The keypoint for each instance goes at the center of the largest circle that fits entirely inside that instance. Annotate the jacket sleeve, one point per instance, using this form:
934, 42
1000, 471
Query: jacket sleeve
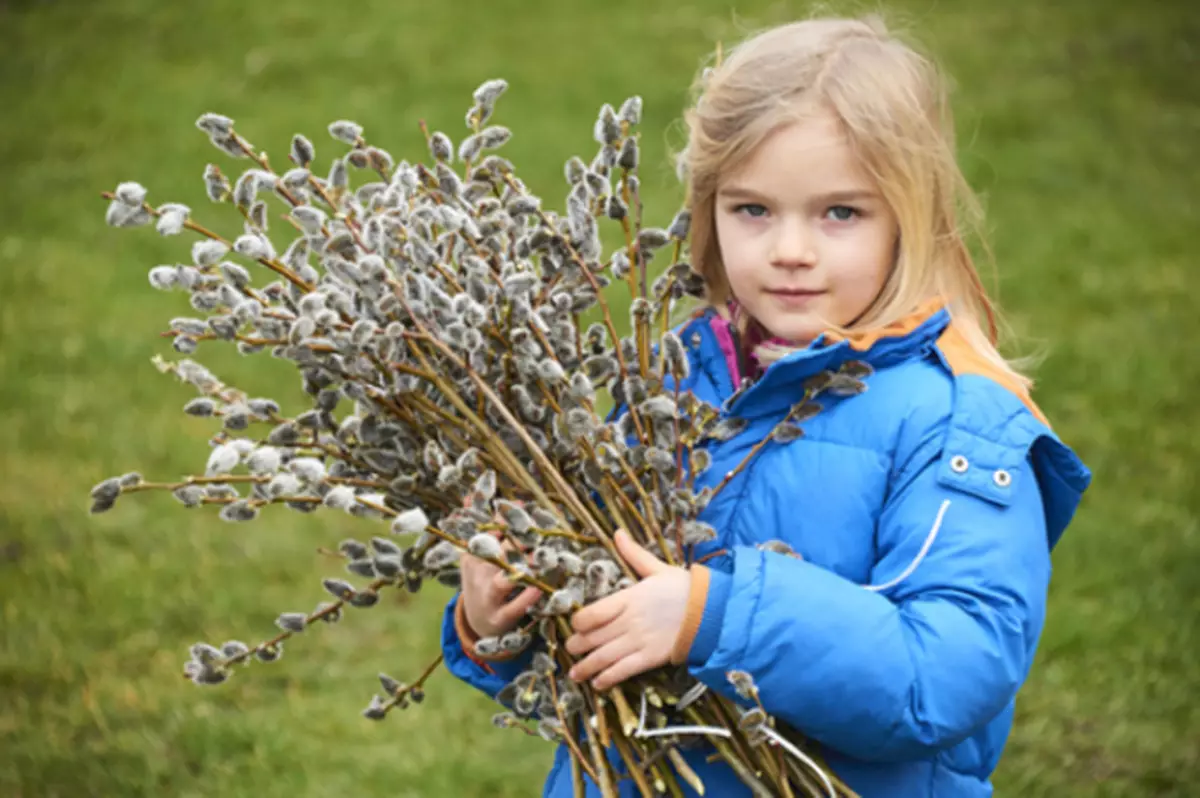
458, 649
905, 671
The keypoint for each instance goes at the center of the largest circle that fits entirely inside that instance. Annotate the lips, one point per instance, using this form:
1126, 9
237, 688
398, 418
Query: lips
794, 291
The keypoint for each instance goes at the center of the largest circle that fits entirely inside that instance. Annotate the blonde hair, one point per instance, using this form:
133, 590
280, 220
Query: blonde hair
891, 104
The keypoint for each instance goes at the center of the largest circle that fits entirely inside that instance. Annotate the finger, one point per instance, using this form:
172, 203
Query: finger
625, 668
641, 560
511, 612
600, 613
602, 658
580, 644
500, 582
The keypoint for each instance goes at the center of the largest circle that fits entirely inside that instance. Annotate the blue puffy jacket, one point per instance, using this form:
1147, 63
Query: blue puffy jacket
925, 510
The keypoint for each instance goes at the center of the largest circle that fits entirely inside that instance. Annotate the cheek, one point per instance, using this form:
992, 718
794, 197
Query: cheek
736, 248
868, 257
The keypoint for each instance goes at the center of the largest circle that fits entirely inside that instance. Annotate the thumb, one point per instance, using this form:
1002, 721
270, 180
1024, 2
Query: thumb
642, 561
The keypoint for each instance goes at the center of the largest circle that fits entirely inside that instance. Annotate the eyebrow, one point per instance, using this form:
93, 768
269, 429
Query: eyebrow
851, 195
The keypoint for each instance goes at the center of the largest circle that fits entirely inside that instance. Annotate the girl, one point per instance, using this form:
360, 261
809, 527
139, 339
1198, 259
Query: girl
826, 201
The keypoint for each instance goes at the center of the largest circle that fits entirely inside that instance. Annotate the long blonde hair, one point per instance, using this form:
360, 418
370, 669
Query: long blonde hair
891, 104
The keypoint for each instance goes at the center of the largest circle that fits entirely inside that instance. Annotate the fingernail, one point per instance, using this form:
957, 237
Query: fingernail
571, 675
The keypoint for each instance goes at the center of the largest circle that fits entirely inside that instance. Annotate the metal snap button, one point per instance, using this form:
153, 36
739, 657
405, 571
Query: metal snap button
1002, 478
959, 464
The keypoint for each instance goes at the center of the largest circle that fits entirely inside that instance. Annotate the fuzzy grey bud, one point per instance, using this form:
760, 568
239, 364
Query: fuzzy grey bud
494, 137
697, 532
215, 124
550, 371
294, 622
469, 148
680, 225
253, 246
607, 130
284, 434
385, 547
221, 460
560, 602
308, 469
787, 432
631, 110
237, 275
309, 218
410, 522
234, 648
388, 567
652, 238
628, 157
440, 147
171, 219
660, 407
574, 169
283, 485
346, 131
208, 252
616, 209
164, 278
131, 194
216, 185
339, 177
743, 683
269, 653
302, 151
523, 205
364, 567
264, 460
339, 588
440, 556
485, 547
515, 641
727, 428
490, 91
105, 494
189, 495
353, 549
675, 356
238, 511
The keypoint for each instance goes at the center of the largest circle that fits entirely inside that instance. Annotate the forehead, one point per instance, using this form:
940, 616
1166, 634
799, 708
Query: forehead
808, 155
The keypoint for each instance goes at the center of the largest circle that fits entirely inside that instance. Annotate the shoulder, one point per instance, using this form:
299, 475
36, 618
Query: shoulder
979, 430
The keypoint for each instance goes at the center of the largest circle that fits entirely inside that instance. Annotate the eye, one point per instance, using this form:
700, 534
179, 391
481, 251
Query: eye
841, 213
752, 209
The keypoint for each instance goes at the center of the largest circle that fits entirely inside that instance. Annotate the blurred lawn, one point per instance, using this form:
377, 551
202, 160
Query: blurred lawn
1079, 121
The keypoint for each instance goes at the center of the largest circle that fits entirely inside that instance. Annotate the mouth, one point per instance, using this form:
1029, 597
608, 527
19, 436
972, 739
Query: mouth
796, 292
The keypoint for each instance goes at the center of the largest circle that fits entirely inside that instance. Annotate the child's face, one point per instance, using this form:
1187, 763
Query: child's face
805, 236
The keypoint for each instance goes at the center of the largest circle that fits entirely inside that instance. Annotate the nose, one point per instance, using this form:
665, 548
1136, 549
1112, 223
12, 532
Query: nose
792, 247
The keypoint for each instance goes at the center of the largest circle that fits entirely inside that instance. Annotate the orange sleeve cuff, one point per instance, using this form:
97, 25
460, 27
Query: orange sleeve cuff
468, 638
466, 635
697, 597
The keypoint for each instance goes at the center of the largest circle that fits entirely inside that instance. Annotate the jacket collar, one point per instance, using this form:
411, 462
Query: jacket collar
781, 385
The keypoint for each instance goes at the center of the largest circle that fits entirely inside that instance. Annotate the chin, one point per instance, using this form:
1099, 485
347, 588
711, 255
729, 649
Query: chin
801, 333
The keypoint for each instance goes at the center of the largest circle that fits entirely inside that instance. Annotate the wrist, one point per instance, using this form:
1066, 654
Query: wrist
466, 631
699, 577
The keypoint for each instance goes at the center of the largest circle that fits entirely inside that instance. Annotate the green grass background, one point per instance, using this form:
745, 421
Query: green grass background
1079, 123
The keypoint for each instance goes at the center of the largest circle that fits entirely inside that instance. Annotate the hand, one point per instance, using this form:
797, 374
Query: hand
633, 630
485, 597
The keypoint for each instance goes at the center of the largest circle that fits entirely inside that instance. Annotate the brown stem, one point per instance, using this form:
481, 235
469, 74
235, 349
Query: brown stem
808, 394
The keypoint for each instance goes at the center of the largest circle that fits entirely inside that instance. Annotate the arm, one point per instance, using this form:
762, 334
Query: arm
901, 673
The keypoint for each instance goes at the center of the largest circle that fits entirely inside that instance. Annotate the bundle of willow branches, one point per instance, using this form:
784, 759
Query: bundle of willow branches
434, 313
